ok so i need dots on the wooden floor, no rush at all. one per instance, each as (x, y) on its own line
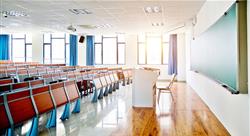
(186, 115)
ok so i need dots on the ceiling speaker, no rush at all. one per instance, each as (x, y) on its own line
(82, 39)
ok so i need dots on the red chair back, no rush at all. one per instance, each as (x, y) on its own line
(43, 99)
(4, 121)
(6, 81)
(21, 107)
(72, 90)
(59, 94)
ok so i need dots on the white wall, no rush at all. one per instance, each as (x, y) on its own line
(231, 110)
(181, 57)
(82, 53)
(212, 10)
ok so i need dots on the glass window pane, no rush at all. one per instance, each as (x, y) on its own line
(58, 35)
(46, 54)
(109, 50)
(67, 54)
(121, 38)
(141, 38)
(28, 38)
(67, 38)
(142, 53)
(98, 38)
(154, 50)
(165, 53)
(28, 53)
(58, 51)
(166, 38)
(46, 38)
(18, 50)
(98, 54)
(121, 53)
(18, 35)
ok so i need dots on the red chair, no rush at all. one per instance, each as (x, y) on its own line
(43, 100)
(22, 85)
(59, 94)
(72, 90)
(4, 121)
(60, 97)
(5, 87)
(6, 81)
(104, 84)
(22, 109)
(20, 103)
(36, 83)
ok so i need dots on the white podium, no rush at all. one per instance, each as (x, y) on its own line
(143, 88)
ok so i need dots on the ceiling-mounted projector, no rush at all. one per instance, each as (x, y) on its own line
(71, 28)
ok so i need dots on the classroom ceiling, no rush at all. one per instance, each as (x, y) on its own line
(117, 16)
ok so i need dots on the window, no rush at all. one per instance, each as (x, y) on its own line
(110, 49)
(153, 49)
(21, 47)
(56, 48)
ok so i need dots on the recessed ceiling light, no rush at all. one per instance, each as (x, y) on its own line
(153, 9)
(157, 9)
(13, 13)
(80, 11)
(148, 10)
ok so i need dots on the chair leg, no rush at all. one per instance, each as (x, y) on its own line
(172, 96)
(158, 97)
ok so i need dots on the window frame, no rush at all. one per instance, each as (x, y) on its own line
(146, 46)
(50, 44)
(25, 46)
(117, 50)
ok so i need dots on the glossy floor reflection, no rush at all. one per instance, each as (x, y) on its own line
(186, 115)
(100, 118)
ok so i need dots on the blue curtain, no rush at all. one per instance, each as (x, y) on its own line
(4, 47)
(73, 50)
(172, 62)
(90, 50)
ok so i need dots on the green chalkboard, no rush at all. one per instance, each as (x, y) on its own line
(214, 52)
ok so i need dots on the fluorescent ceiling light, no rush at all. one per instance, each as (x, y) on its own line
(80, 11)
(13, 13)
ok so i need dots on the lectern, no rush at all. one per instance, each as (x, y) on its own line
(143, 87)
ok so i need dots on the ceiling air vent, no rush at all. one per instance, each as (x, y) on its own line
(80, 11)
(87, 26)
